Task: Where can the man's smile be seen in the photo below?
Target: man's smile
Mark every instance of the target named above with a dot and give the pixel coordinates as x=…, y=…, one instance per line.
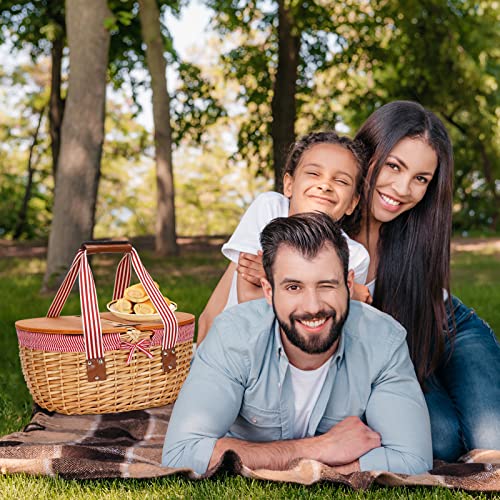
x=314, y=325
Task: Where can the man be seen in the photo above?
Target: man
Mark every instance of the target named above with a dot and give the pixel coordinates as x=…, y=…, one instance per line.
x=299, y=375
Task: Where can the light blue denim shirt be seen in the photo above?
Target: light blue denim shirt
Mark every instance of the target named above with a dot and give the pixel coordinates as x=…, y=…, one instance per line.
x=239, y=386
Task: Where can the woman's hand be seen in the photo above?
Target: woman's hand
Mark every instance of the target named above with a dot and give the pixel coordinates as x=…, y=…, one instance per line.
x=250, y=267
x=361, y=293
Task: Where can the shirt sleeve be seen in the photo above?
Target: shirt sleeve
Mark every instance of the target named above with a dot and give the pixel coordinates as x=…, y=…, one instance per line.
x=207, y=405
x=359, y=260
x=398, y=412
x=261, y=211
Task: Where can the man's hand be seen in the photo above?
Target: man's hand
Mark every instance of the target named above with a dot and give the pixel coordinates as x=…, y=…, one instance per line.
x=250, y=267
x=345, y=442
x=361, y=293
x=340, y=447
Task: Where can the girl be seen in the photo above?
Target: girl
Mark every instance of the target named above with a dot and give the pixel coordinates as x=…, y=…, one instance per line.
x=322, y=173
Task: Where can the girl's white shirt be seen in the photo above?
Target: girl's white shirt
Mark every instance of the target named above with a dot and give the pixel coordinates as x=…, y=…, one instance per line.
x=265, y=208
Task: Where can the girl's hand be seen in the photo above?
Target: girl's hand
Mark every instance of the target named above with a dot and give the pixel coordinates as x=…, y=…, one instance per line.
x=361, y=293
x=250, y=267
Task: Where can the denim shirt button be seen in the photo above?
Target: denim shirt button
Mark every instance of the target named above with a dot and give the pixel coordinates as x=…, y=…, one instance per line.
x=254, y=420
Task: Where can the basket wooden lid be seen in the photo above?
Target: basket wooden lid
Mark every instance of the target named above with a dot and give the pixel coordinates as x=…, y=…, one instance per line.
x=110, y=324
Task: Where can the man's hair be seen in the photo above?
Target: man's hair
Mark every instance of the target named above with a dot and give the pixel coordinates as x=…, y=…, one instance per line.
x=307, y=233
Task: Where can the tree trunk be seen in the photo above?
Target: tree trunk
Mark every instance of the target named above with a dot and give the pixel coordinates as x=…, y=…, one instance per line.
x=23, y=212
x=166, y=241
x=283, y=103
x=82, y=135
x=56, y=107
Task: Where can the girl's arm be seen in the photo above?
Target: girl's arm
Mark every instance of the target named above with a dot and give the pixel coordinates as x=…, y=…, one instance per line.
x=216, y=302
x=250, y=271
x=250, y=267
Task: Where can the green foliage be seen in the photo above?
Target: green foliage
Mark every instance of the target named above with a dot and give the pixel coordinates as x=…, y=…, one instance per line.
x=125, y=204
x=211, y=191
x=32, y=24
x=444, y=55
x=356, y=56
x=253, y=63
x=194, y=107
x=17, y=128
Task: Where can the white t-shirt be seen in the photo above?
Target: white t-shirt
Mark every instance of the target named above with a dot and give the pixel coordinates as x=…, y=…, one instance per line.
x=306, y=387
x=265, y=208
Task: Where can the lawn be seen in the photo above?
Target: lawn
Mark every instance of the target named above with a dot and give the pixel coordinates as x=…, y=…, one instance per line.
x=187, y=279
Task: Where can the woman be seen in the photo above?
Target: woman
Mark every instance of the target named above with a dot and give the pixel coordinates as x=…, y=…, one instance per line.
x=405, y=223
x=406, y=227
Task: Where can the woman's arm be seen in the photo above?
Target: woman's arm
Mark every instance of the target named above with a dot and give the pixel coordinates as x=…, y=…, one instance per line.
x=216, y=302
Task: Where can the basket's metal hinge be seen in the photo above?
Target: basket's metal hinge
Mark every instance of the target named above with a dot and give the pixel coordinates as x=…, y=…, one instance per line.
x=96, y=369
x=168, y=360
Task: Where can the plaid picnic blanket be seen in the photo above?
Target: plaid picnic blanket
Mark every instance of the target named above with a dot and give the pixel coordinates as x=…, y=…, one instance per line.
x=129, y=445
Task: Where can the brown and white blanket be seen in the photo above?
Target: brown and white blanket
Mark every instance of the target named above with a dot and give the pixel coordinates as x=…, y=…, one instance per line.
x=128, y=445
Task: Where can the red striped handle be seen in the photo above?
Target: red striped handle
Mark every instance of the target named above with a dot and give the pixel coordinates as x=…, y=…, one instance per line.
x=92, y=329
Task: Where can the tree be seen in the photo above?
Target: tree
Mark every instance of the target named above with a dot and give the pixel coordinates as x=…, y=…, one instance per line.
x=82, y=135
x=445, y=56
x=22, y=218
x=25, y=166
x=283, y=103
x=40, y=27
x=280, y=46
x=166, y=241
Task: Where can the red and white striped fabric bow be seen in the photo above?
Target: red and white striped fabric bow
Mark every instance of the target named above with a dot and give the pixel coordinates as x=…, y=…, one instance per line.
x=141, y=346
x=92, y=329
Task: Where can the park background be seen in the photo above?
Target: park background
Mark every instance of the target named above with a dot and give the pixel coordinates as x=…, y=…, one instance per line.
x=160, y=121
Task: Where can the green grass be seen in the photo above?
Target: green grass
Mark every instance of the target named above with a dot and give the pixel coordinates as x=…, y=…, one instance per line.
x=189, y=280
x=20, y=487
x=476, y=281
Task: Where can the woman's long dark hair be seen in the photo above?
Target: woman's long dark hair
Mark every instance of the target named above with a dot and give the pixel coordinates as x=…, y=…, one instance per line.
x=414, y=248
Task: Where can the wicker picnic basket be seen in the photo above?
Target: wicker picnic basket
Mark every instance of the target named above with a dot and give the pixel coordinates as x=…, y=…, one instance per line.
x=98, y=363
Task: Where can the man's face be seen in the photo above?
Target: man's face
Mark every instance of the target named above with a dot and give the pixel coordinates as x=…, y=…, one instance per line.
x=310, y=297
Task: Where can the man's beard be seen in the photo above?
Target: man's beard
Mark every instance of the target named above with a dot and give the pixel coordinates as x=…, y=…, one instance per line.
x=313, y=344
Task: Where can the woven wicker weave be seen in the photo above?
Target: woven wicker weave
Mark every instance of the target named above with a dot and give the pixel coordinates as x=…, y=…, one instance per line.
x=94, y=364
x=58, y=380
x=57, y=377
